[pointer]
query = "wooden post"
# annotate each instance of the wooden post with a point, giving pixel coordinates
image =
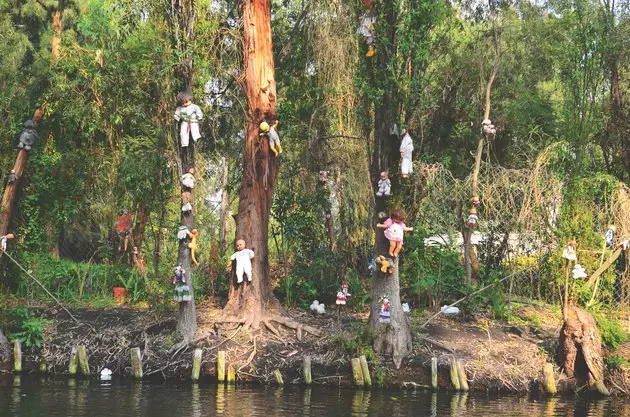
(221, 366)
(463, 380)
(357, 373)
(365, 370)
(136, 363)
(17, 356)
(306, 370)
(196, 368)
(278, 376)
(231, 375)
(550, 380)
(454, 375)
(83, 361)
(72, 367)
(434, 374)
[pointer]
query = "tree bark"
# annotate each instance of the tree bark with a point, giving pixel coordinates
(224, 221)
(252, 302)
(57, 28)
(139, 230)
(8, 199)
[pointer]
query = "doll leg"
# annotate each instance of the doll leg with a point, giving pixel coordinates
(239, 273)
(248, 271)
(273, 148)
(398, 248)
(392, 247)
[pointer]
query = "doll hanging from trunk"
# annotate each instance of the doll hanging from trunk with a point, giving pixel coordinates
(472, 218)
(188, 115)
(384, 314)
(384, 185)
(395, 229)
(269, 131)
(3, 241)
(243, 258)
(366, 30)
(182, 290)
(406, 154)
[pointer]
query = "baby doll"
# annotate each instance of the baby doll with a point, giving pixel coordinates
(384, 315)
(189, 115)
(193, 245)
(341, 298)
(12, 177)
(472, 218)
(28, 136)
(182, 290)
(384, 185)
(188, 179)
(394, 231)
(272, 136)
(3, 241)
(323, 178)
(366, 29)
(243, 258)
(569, 251)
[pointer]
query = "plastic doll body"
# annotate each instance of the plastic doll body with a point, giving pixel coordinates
(394, 231)
(406, 154)
(384, 186)
(243, 258)
(189, 115)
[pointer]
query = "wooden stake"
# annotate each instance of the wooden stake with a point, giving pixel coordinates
(83, 361)
(278, 376)
(550, 380)
(463, 380)
(357, 372)
(221, 366)
(196, 368)
(365, 370)
(434, 374)
(231, 375)
(136, 363)
(454, 374)
(306, 370)
(17, 356)
(72, 367)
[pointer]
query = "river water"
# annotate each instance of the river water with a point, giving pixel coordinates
(69, 398)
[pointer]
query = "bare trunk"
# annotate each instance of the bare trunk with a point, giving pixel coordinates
(8, 199)
(224, 226)
(57, 25)
(5, 351)
(141, 225)
(53, 240)
(252, 301)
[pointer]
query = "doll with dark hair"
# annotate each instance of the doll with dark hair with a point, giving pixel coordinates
(188, 115)
(395, 229)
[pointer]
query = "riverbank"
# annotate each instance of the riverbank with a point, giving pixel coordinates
(498, 356)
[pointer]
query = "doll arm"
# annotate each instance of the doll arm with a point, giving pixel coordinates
(382, 226)
(177, 116)
(251, 254)
(199, 113)
(408, 229)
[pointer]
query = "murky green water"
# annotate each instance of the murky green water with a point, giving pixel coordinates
(30, 398)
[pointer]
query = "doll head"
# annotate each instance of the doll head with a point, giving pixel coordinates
(610, 226)
(184, 98)
(191, 171)
(323, 175)
(472, 211)
(398, 216)
(384, 175)
(572, 243)
(12, 171)
(475, 200)
(178, 269)
(194, 233)
(403, 131)
(240, 244)
(264, 127)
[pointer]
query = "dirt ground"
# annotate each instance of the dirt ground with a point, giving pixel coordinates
(497, 355)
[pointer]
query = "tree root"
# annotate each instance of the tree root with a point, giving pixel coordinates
(267, 322)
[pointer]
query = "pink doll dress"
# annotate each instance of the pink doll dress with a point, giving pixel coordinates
(394, 231)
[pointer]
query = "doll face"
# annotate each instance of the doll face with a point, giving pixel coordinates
(384, 175)
(191, 171)
(186, 103)
(240, 244)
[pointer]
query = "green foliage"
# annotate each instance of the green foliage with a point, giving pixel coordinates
(28, 328)
(616, 361)
(611, 331)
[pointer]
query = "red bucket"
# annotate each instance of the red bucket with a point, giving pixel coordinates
(119, 294)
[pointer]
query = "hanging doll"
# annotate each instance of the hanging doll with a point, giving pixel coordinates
(12, 177)
(488, 128)
(387, 264)
(569, 251)
(475, 201)
(243, 258)
(188, 115)
(3, 241)
(394, 231)
(341, 298)
(123, 228)
(323, 178)
(186, 202)
(269, 131)
(366, 29)
(344, 289)
(182, 232)
(385, 314)
(472, 218)
(28, 136)
(182, 290)
(609, 234)
(188, 179)
(578, 272)
(406, 154)
(193, 245)
(384, 185)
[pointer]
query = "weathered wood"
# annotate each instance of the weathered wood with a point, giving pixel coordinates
(549, 379)
(43, 367)
(365, 370)
(196, 368)
(17, 356)
(10, 191)
(221, 366)
(463, 379)
(83, 361)
(306, 370)
(278, 377)
(357, 372)
(231, 375)
(434, 373)
(72, 366)
(454, 375)
(604, 267)
(136, 363)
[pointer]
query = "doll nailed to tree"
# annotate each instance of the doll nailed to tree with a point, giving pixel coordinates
(395, 229)
(269, 131)
(243, 258)
(182, 290)
(188, 115)
(384, 185)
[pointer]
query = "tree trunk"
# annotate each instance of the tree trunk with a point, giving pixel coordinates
(393, 338)
(580, 349)
(8, 199)
(141, 225)
(224, 222)
(252, 301)
(57, 28)
(5, 351)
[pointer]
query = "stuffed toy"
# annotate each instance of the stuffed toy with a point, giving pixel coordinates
(182, 290)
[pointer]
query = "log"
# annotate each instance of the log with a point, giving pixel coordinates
(196, 368)
(43, 367)
(221, 366)
(278, 376)
(454, 375)
(604, 267)
(357, 372)
(231, 375)
(434, 374)
(136, 363)
(306, 370)
(72, 367)
(10, 191)
(83, 361)
(365, 370)
(17, 356)
(463, 379)
(549, 379)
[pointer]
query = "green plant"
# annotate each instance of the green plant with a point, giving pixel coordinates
(29, 329)
(610, 330)
(616, 361)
